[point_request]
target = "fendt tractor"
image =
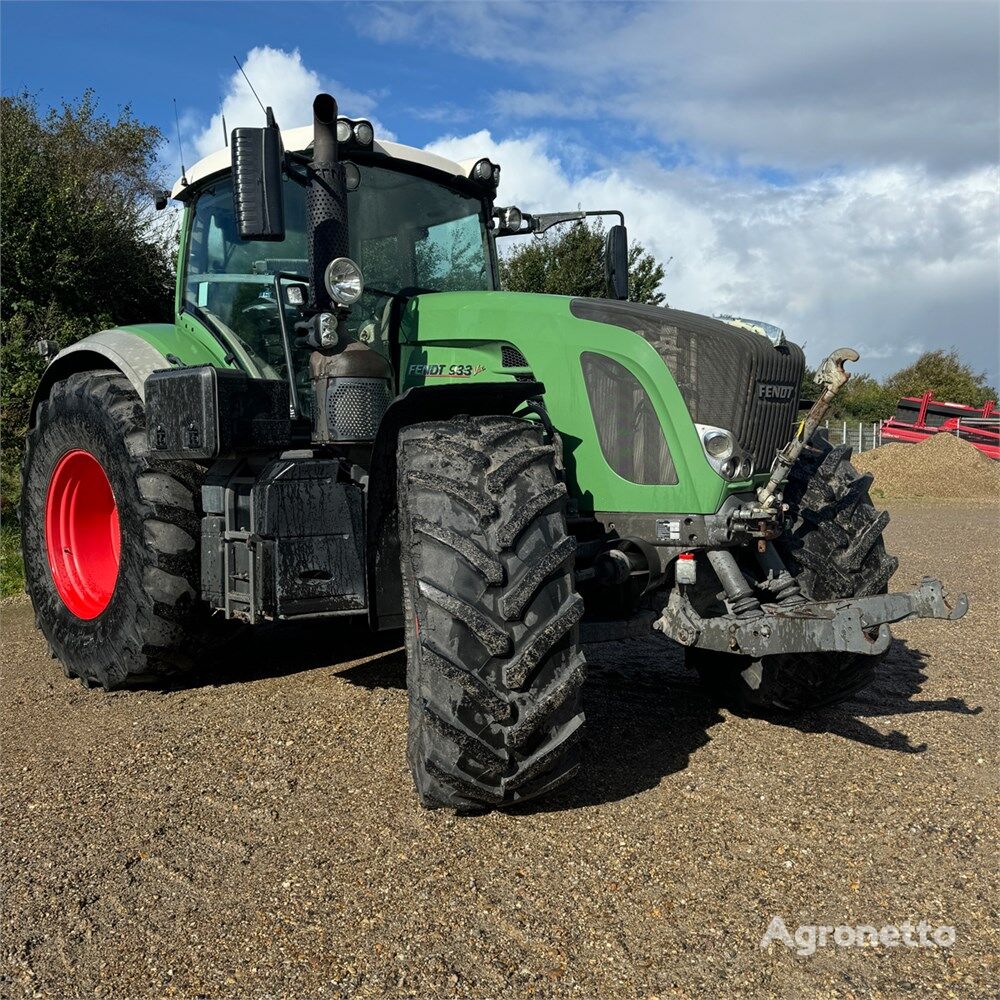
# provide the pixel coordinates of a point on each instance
(348, 420)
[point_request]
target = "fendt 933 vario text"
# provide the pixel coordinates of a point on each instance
(348, 420)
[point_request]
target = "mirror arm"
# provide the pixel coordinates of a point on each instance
(540, 223)
(610, 211)
(300, 177)
(294, 407)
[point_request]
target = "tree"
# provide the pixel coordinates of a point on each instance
(942, 372)
(572, 263)
(863, 399)
(807, 387)
(80, 245)
(946, 375)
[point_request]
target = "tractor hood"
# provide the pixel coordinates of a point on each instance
(729, 376)
(614, 365)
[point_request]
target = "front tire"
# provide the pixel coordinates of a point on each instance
(110, 538)
(494, 666)
(835, 549)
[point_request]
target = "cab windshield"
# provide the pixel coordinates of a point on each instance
(408, 233)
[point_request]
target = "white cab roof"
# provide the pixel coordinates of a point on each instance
(298, 140)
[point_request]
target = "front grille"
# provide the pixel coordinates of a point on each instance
(511, 357)
(355, 406)
(729, 377)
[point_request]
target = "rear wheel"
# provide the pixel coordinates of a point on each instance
(494, 666)
(834, 547)
(110, 537)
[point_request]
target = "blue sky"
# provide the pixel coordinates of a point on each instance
(146, 54)
(828, 167)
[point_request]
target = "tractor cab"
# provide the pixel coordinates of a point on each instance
(419, 224)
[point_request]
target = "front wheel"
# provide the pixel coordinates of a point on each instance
(494, 666)
(835, 549)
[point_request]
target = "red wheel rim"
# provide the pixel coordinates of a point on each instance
(82, 535)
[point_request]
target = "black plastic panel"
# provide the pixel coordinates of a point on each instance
(283, 541)
(208, 412)
(313, 533)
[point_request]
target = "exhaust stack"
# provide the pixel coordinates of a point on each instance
(326, 200)
(351, 382)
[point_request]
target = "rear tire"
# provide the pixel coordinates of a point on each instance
(146, 621)
(494, 666)
(834, 547)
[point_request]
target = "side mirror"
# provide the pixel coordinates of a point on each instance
(258, 196)
(616, 262)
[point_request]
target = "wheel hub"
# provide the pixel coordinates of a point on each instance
(82, 535)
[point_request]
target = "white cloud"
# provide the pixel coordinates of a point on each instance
(886, 259)
(798, 86)
(283, 83)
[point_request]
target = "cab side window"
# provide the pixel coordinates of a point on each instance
(231, 281)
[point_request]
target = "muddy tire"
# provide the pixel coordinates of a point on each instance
(494, 666)
(835, 548)
(110, 538)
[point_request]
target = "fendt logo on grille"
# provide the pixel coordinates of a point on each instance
(767, 390)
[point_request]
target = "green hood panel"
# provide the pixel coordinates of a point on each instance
(452, 336)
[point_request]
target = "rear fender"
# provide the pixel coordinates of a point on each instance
(135, 351)
(416, 405)
(123, 350)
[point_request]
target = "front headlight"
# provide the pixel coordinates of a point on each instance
(718, 443)
(724, 453)
(343, 280)
(327, 329)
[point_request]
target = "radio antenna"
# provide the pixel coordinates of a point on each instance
(180, 148)
(250, 85)
(225, 134)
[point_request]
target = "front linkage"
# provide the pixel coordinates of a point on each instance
(788, 623)
(851, 626)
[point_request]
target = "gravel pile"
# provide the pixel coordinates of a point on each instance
(941, 466)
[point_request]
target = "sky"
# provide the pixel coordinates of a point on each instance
(828, 167)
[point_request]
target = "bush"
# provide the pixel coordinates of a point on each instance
(946, 375)
(82, 248)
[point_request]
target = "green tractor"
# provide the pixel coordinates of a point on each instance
(347, 420)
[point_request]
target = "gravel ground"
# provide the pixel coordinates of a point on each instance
(255, 833)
